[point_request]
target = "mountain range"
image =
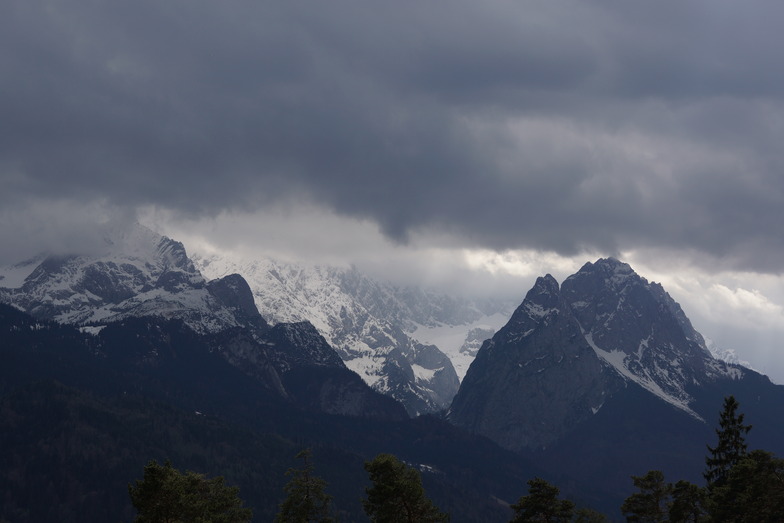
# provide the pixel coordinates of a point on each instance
(139, 274)
(129, 352)
(385, 333)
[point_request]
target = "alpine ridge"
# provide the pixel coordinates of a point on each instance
(136, 273)
(372, 325)
(641, 332)
(140, 274)
(606, 373)
(538, 367)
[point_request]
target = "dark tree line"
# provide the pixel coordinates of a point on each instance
(395, 496)
(166, 495)
(740, 487)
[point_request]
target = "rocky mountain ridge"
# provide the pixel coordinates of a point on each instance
(136, 273)
(641, 332)
(140, 274)
(604, 377)
(372, 325)
(568, 348)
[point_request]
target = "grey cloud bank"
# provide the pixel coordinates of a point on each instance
(562, 126)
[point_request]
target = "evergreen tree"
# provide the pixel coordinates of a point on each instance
(731, 446)
(688, 503)
(397, 495)
(306, 500)
(753, 491)
(157, 497)
(542, 504)
(166, 495)
(650, 504)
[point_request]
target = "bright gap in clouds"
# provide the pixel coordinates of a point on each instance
(739, 311)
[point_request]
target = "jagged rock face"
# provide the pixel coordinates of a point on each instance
(566, 350)
(301, 344)
(243, 349)
(367, 322)
(298, 363)
(233, 292)
(536, 378)
(636, 327)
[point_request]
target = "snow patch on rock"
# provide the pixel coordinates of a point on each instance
(618, 360)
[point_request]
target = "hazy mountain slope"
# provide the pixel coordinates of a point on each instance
(369, 323)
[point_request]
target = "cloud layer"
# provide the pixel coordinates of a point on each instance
(559, 126)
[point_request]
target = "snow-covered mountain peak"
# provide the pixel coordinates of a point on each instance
(632, 330)
(136, 272)
(137, 243)
(565, 352)
(726, 355)
(383, 332)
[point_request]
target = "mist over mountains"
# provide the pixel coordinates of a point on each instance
(589, 381)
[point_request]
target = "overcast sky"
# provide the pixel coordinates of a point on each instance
(471, 145)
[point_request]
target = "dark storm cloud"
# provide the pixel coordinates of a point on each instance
(554, 125)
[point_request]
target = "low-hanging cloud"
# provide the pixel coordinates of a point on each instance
(565, 127)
